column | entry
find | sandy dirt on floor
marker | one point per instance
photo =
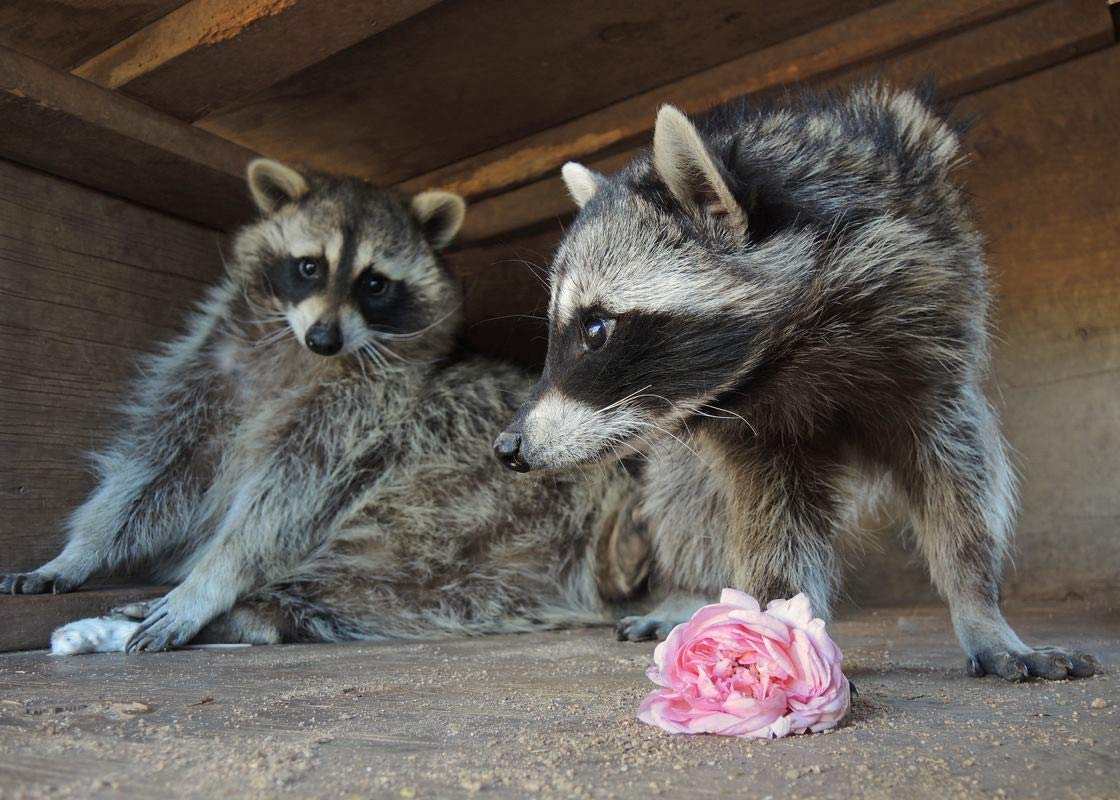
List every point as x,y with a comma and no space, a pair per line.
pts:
548,715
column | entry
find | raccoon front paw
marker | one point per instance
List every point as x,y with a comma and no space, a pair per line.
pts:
642,629
36,582
168,624
1051,663
136,610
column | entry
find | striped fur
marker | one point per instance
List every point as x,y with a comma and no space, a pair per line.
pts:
293,496
796,298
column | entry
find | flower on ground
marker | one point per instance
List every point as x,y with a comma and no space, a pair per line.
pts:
736,670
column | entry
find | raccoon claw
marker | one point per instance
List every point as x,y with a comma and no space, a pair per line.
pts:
163,628
1051,663
35,583
138,610
641,629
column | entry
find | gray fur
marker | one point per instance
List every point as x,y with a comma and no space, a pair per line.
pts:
797,300
300,497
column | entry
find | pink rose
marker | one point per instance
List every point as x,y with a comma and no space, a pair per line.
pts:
736,670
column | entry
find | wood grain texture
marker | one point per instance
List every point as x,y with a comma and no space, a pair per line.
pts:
1047,184
852,40
72,128
87,284
962,63
506,295
30,619
466,76
66,32
549,716
208,53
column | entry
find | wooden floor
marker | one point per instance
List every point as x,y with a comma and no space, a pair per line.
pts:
547,715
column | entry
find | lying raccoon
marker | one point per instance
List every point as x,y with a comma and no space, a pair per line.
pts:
798,296
310,461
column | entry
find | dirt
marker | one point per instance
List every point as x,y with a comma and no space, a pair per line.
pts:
548,715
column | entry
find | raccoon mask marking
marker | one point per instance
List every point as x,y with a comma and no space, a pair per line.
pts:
704,266
347,267
658,293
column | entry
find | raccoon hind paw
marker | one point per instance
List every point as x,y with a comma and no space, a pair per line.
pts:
1050,663
35,583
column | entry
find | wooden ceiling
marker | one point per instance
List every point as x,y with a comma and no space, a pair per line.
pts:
163,101
393,89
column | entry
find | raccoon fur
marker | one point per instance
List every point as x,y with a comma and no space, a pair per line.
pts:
310,460
781,307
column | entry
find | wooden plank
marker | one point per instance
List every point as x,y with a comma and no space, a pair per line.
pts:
67,32
464,77
966,62
70,127
1045,180
859,38
551,716
30,619
208,53
1047,184
87,283
506,296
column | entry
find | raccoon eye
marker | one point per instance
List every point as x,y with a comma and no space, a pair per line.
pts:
308,267
596,332
374,284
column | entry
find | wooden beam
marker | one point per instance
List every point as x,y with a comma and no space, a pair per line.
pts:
210,53
963,63
871,34
65,33
464,77
29,620
70,127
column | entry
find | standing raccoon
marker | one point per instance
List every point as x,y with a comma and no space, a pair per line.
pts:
794,299
310,460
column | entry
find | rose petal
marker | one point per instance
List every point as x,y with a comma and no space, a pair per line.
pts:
735,670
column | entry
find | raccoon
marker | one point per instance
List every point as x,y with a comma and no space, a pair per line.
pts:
780,307
310,460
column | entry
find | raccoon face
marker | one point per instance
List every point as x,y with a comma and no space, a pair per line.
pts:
658,297
347,268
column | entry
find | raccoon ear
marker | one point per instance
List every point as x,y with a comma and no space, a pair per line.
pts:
582,183
273,184
440,215
685,164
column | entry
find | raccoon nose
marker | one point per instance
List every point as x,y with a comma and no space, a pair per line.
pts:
326,340
507,448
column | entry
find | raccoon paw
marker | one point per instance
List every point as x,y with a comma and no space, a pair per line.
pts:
137,610
94,635
642,629
1051,663
166,625
36,582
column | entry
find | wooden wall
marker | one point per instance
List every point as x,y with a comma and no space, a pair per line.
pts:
88,282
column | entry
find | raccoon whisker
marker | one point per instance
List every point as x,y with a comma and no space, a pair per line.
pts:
374,356
508,316
390,351
414,334
385,350
273,337
680,440
628,397
732,414
623,443
536,269
361,365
